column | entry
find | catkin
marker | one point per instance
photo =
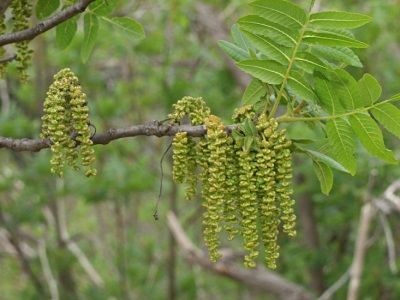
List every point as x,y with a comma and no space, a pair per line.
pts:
244,191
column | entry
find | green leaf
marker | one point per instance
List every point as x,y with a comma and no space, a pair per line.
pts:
341,140
65,32
327,94
130,28
347,89
248,142
282,12
300,87
254,91
258,25
341,54
250,128
270,49
90,31
103,7
389,116
371,137
326,160
370,89
325,176
309,62
331,39
235,52
240,38
267,71
339,19
45,8
237,135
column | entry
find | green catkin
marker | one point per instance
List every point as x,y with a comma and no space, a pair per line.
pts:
184,167
246,191
232,184
195,108
66,115
216,186
248,205
22,11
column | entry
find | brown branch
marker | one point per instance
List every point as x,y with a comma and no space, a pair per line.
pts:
30,33
8,58
103,138
258,278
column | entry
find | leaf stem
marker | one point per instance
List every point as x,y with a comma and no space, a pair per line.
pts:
288,119
278,98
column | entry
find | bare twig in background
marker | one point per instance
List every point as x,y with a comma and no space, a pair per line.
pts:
8,58
336,286
368,211
44,261
259,278
74,248
389,242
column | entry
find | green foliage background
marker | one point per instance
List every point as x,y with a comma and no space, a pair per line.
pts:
110,216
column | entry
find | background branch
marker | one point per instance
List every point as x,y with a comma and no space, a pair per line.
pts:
30,33
258,278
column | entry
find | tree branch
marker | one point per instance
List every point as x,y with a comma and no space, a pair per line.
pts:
154,128
258,278
30,33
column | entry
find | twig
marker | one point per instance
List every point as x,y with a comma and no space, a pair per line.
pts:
73,247
44,261
30,33
367,212
336,286
152,129
8,58
259,278
389,242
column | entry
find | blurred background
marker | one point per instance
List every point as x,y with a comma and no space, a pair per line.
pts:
96,238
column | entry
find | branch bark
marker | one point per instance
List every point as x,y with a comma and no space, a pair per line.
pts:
258,279
4,4
152,129
30,33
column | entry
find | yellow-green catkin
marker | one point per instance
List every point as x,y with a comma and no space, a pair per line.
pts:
66,123
248,205
22,11
268,206
184,167
214,198
3,65
245,190
195,108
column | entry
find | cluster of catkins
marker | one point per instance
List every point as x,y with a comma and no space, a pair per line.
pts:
21,12
244,191
66,124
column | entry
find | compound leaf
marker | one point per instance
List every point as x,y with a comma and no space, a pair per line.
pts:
90,31
254,91
300,87
130,28
325,176
371,137
235,52
341,140
389,116
282,12
370,89
45,8
339,19
267,71
65,32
